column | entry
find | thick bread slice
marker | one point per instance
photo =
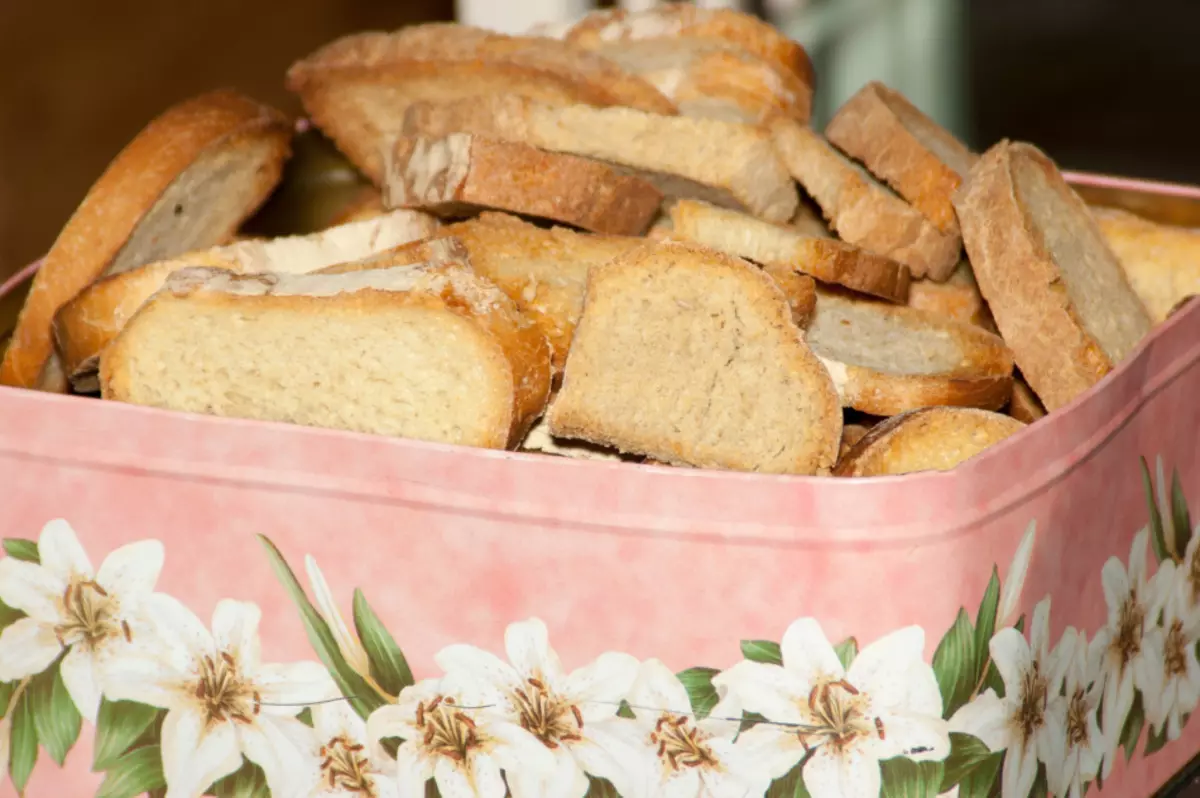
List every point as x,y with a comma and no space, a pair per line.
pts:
862,210
187,181
86,324
958,298
357,87
1058,293
433,353
887,359
727,163
826,259
901,146
1024,405
541,441
932,439
690,356
1162,262
459,174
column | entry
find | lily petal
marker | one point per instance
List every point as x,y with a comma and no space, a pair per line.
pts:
600,685
295,684
78,671
1137,556
517,749
26,648
1014,580
1020,771
808,654
132,570
880,668
142,677
412,771
657,689
774,752
921,738
828,775
235,630
567,780
1039,630
60,553
527,644
1012,656
194,757
336,718
477,665
175,631
350,646
1116,586
985,718
31,589
266,745
609,750
774,692
390,720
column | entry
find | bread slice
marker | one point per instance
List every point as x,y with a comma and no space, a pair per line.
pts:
87,323
187,181
800,290
690,356
1058,293
458,174
432,353
932,439
1024,405
887,359
860,209
726,163
958,298
851,434
1162,262
905,149
540,440
824,258
366,204
357,87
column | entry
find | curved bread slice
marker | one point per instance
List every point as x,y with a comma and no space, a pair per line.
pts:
690,356
862,210
460,173
1024,405
357,87
932,439
1058,293
901,146
187,181
888,359
1162,262
958,298
432,353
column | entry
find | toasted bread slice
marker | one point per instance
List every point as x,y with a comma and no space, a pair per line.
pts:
433,353
357,87
851,434
710,371
1162,262
958,298
187,181
727,163
540,440
460,173
86,324
1024,405
860,209
1058,293
800,290
887,359
907,150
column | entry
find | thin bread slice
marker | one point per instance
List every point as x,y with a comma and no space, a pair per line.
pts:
86,324
826,259
860,209
432,353
800,290
1024,405
958,298
851,434
1058,293
540,440
726,163
710,371
887,359
1162,262
187,181
932,439
904,148
458,174
357,87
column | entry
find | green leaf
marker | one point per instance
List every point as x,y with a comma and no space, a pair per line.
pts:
993,680
118,726
624,710
762,651
247,781
1131,732
8,616
1155,741
1157,539
600,788
6,691
22,744
967,754
985,623
54,713
701,692
904,778
983,781
790,786
1040,789
388,665
137,772
846,651
1181,518
21,549
305,717
953,663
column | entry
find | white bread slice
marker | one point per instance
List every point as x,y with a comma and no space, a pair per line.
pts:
690,356
186,181
1161,261
458,174
904,148
860,209
887,359
540,440
1024,405
1058,293
726,163
958,298
357,87
932,439
432,353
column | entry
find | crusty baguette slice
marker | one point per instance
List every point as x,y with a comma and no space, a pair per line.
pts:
433,353
86,324
932,439
1024,405
357,87
727,163
1162,262
460,173
824,258
887,359
187,181
958,298
541,441
710,371
862,210
901,146
1058,293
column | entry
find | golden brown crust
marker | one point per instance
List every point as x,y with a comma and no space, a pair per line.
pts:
800,290
366,204
958,298
1162,261
1024,405
851,434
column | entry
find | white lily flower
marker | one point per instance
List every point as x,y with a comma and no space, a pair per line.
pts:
348,643
341,763
887,704
1014,580
221,700
91,614
1174,644
572,714
1077,742
1187,583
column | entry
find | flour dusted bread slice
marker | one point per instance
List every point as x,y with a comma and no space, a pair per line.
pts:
1162,262
1058,293
861,210
958,298
690,357
887,359
458,174
931,439
432,353
86,324
187,181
